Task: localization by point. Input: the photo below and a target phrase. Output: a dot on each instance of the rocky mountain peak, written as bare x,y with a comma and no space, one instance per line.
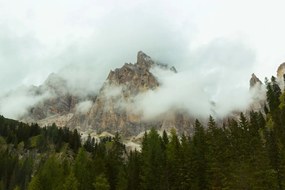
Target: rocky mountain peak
55,84
254,80
281,71
135,77
113,109
143,60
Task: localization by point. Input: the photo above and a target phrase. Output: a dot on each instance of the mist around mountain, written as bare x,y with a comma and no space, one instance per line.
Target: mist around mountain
136,96
114,140
115,145
243,153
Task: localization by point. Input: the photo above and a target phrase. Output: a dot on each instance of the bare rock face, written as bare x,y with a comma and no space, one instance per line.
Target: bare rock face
110,111
281,71
113,109
59,105
254,81
137,76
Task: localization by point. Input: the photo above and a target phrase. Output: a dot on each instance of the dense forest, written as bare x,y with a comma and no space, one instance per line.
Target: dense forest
244,153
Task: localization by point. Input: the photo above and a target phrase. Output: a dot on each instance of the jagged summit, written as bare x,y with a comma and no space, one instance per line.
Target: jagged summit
138,76
113,109
143,60
281,71
55,83
254,81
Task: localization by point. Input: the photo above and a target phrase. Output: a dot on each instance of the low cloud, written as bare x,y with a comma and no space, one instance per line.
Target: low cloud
212,76
83,107
215,82
17,102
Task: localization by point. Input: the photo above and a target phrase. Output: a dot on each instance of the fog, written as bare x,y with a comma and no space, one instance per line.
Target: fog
216,82
83,107
83,41
17,102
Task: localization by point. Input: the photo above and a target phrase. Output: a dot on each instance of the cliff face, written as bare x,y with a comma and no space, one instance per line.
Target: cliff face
281,76
113,109
57,108
281,71
254,81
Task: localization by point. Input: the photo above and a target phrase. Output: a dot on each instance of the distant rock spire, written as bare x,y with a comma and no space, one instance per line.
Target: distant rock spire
254,80
281,71
281,75
144,60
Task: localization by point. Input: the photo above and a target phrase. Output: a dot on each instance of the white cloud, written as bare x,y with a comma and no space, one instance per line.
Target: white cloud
18,102
84,40
218,73
83,107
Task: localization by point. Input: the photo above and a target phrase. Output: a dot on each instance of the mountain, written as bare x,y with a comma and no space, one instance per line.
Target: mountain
113,109
254,80
57,107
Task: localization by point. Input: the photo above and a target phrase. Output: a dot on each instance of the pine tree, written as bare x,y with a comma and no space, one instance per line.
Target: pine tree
187,173
217,157
114,161
35,184
200,158
101,183
152,161
71,182
134,170
82,170
174,161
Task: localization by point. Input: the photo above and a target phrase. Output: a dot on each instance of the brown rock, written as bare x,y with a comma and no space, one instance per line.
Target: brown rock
114,112
281,71
112,108
254,81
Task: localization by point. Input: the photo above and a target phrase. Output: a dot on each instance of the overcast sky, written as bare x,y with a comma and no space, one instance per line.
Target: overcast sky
39,37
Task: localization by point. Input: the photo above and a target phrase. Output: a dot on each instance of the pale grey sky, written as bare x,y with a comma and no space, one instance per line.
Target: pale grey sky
39,37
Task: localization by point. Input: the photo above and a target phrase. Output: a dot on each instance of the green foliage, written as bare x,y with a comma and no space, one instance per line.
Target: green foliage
82,170
35,184
50,176
152,161
101,183
71,182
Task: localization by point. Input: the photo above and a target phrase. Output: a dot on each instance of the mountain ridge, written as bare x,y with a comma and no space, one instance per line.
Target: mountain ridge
113,109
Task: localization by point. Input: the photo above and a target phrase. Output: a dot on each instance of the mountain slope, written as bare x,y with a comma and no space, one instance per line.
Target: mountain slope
114,108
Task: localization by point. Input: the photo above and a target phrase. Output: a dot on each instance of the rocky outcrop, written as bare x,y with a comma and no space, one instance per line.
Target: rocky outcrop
254,81
136,77
57,108
113,109
258,95
281,71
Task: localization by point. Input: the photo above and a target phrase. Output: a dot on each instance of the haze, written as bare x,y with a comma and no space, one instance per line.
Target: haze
215,46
